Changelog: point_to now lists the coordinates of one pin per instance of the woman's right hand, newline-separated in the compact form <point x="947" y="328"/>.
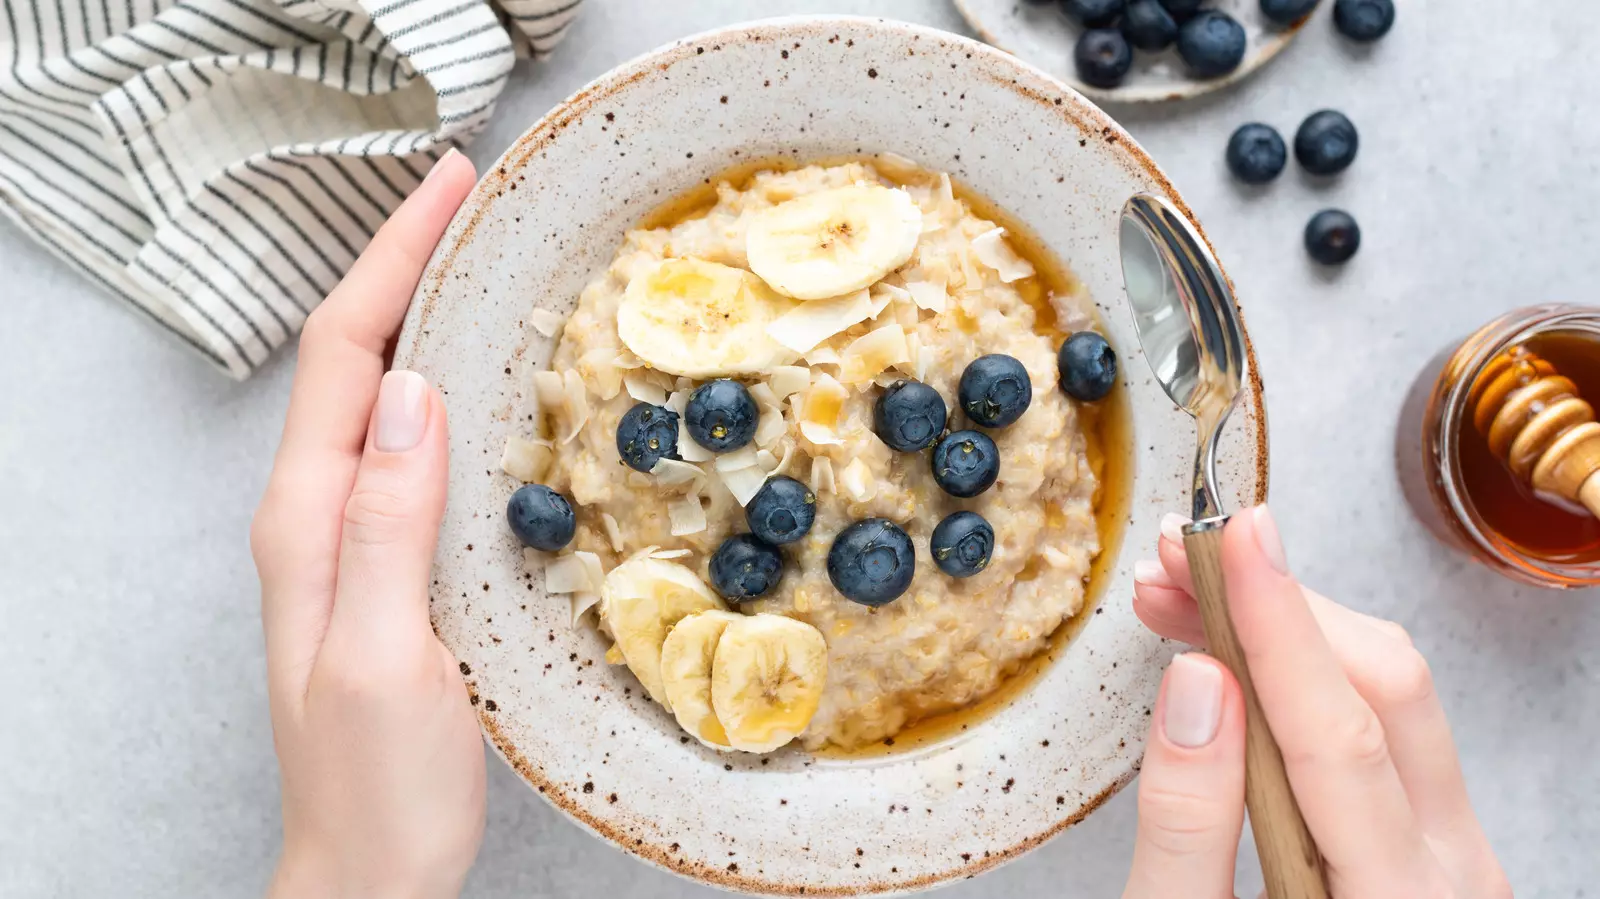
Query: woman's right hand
<point x="1352" y="705"/>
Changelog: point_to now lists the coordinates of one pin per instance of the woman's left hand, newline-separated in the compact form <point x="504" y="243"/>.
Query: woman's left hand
<point x="381" y="756"/>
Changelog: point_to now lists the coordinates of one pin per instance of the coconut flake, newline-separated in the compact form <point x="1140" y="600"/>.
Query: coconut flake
<point x="765" y="460"/>
<point x="678" y="401"/>
<point x="566" y="574"/>
<point x="577" y="404"/>
<point x="673" y="473"/>
<point x="993" y="250"/>
<point x="743" y="457"/>
<point x="820" y="411"/>
<point x="770" y="428"/>
<point x="670" y="554"/>
<point x="785" y="460"/>
<point x="788" y="380"/>
<point x="582" y="602"/>
<point x="592" y="566"/>
<point x="887" y="379"/>
<point x="765" y="397"/>
<point x="822" y="475"/>
<point x="549" y="391"/>
<point x="857" y="481"/>
<point x="929" y="295"/>
<point x="947" y="191"/>
<point x="881" y="300"/>
<point x="873" y="352"/>
<point x="613" y="531"/>
<point x="546" y="322"/>
<point x="526" y="460"/>
<point x="599" y="368"/>
<point x="626" y="360"/>
<point x="533" y="559"/>
<point x="743" y="483"/>
<point x="687" y="515"/>
<point x="688" y="449"/>
<point x="823" y="355"/>
<point x="642" y="388"/>
<point x="808" y="324"/>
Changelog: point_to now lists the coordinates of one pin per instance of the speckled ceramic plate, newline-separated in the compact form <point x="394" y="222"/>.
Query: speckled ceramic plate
<point x="547" y="217"/>
<point x="1041" y="34"/>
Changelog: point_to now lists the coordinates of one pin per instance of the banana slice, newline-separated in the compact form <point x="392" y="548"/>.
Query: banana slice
<point x="767" y="679"/>
<point x="686" y="660"/>
<point x="640" y="601"/>
<point x="833" y="242"/>
<point x="701" y="319"/>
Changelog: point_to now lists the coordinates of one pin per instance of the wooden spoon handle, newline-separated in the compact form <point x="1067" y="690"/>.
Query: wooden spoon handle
<point x="1289" y="860"/>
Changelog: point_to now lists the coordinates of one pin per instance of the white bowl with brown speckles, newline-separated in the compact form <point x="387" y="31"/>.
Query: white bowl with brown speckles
<point x="548" y="216"/>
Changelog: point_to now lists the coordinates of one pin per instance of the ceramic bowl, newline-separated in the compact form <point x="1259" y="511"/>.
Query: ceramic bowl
<point x="1042" y="35"/>
<point x="547" y="217"/>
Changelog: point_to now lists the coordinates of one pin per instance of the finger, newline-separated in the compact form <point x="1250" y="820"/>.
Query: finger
<point x="391" y="524"/>
<point x="1333" y="744"/>
<point x="1191" y="788"/>
<point x="296" y="533"/>
<point x="1163" y="606"/>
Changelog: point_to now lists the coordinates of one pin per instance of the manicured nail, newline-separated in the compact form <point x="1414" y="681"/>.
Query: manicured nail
<point x="1172" y="527"/>
<point x="440" y="164"/>
<point x="1193" y="702"/>
<point x="1268" y="541"/>
<point x="402" y="412"/>
<point x="1150" y="573"/>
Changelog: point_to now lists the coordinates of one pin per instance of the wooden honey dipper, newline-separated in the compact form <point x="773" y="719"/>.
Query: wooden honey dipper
<point x="1533" y="418"/>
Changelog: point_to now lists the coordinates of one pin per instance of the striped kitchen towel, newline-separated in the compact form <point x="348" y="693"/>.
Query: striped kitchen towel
<point x="220" y="163"/>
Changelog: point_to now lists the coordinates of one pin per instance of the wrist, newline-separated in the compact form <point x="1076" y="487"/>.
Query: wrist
<point x="304" y="874"/>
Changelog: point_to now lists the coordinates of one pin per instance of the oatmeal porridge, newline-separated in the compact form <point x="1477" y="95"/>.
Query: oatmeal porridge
<point x="768" y="443"/>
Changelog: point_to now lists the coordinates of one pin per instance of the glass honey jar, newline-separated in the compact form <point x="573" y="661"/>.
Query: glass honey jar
<point x="1463" y="469"/>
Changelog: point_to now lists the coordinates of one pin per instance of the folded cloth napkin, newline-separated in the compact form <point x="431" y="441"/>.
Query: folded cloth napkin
<point x="219" y="164"/>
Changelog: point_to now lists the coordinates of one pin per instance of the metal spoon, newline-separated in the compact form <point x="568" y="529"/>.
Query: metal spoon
<point x="1189" y="328"/>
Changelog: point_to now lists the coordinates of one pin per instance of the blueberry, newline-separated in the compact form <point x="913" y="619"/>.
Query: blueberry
<point x="1332" y="237"/>
<point x="995" y="390"/>
<point x="1103" y="57"/>
<point x="1256" y="153"/>
<point x="646" y="435"/>
<point x="962" y="544"/>
<point x="1363" y="20"/>
<point x="909" y="416"/>
<point x="745" y="567"/>
<point x="1148" y="26"/>
<point x="1093" y="13"/>
<point x="1212" y="43"/>
<point x="872" y="562"/>
<point x="721" y="415"/>
<point x="966" y="463"/>
<point x="541" y="518"/>
<point x="1326" y="143"/>
<point x="782" y="511"/>
<point x="1182" y="9"/>
<point x="1287" y="12"/>
<point x="1088" y="367"/>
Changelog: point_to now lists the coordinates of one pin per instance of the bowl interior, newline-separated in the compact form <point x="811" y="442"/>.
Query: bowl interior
<point x="547" y="217"/>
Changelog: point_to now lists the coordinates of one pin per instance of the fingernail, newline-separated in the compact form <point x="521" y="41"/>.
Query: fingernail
<point x="1150" y="573"/>
<point x="1268" y="541"/>
<point x="1172" y="527"/>
<point x="440" y="164"/>
<point x="1193" y="702"/>
<point x="402" y="412"/>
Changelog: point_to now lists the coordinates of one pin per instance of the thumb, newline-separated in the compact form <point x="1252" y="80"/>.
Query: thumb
<point x="391" y="521"/>
<point x="1191" y="790"/>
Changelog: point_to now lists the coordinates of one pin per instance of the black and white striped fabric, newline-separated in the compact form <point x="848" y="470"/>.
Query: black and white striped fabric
<point x="220" y="163"/>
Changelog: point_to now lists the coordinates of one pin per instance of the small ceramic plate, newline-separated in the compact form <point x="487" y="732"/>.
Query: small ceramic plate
<point x="548" y="216"/>
<point x="1041" y="34"/>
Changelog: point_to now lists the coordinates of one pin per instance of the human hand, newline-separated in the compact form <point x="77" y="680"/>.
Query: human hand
<point x="381" y="757"/>
<point x="1352" y="705"/>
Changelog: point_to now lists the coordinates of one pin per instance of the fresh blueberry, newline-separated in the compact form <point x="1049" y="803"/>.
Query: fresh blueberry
<point x="721" y="415"/>
<point x="1102" y="57"/>
<point x="1088" y="367"/>
<point x="872" y="562"/>
<point x="745" y="567"/>
<point x="541" y="518"/>
<point x="1148" y="26"/>
<point x="995" y="390"/>
<point x="646" y="435"/>
<point x="1287" y="12"/>
<point x="1363" y="20"/>
<point x="966" y="463"/>
<point x="962" y="544"/>
<point x="909" y="416"/>
<point x="1212" y="43"/>
<point x="1182" y="9"/>
<point x="1326" y="143"/>
<point x="1332" y="237"/>
<point x="1093" y="13"/>
<point x="1256" y="153"/>
<point x="782" y="511"/>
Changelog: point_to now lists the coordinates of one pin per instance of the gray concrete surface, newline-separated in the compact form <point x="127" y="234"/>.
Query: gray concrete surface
<point x="135" y="752"/>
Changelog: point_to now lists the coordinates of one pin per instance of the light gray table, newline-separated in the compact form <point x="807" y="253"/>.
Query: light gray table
<point x="135" y="753"/>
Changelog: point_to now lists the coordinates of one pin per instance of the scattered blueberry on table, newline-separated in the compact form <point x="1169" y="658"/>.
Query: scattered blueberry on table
<point x="721" y="415"/>
<point x="646" y="435"/>
<point x="962" y="544"/>
<point x="995" y="390"/>
<point x="966" y="463"/>
<point x="909" y="416"/>
<point x="1094" y="13"/>
<point x="872" y="562"/>
<point x="1287" y="12"/>
<point x="1326" y="143"/>
<point x="782" y="511"/>
<point x="1088" y="367"/>
<point x="1332" y="237"/>
<point x="1148" y="25"/>
<point x="541" y="518"/>
<point x="1363" y="20"/>
<point x="1212" y="44"/>
<point x="745" y="567"/>
<point x="1256" y="153"/>
<point x="1102" y="57"/>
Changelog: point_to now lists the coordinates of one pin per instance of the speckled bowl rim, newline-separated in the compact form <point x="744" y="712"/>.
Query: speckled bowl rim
<point x="1065" y="102"/>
